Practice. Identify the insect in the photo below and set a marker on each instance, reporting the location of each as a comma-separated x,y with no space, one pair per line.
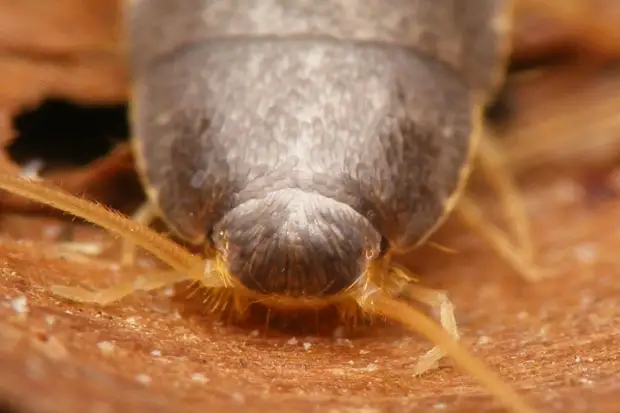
304,144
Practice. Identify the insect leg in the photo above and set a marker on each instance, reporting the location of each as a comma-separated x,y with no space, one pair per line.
144,215
397,310
115,293
473,217
439,300
493,166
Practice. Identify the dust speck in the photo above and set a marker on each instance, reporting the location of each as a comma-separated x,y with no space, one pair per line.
143,379
20,304
292,341
199,378
440,406
50,320
371,367
307,346
484,340
586,253
106,347
32,169
169,292
156,353
86,248
254,333
344,342
52,232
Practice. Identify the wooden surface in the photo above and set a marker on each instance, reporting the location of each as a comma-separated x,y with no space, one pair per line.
557,341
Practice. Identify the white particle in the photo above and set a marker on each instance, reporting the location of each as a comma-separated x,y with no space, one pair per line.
169,292
156,353
50,320
143,378
307,346
131,320
32,169
106,347
483,340
20,304
87,248
586,253
292,341
439,406
371,367
199,378
52,231
344,342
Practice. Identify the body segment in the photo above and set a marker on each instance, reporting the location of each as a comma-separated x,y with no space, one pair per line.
291,133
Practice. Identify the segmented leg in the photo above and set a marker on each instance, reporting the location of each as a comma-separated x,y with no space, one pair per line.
520,254
144,215
381,304
115,293
434,299
473,217
492,164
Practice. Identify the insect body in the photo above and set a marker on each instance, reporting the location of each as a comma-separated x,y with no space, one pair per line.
305,142
300,139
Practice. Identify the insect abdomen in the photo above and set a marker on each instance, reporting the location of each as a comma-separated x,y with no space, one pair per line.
365,102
